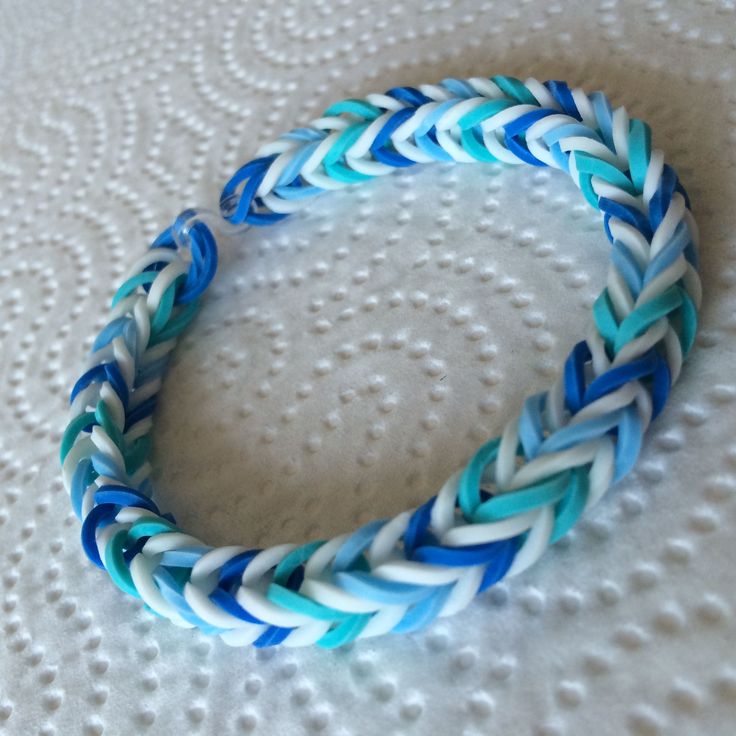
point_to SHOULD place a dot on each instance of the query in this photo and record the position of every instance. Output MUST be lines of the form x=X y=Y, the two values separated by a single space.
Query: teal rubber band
x=640 y=152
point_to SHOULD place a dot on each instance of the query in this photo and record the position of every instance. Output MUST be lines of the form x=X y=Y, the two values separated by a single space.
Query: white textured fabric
x=348 y=360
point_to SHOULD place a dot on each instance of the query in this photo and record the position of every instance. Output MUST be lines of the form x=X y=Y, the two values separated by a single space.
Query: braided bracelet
x=519 y=492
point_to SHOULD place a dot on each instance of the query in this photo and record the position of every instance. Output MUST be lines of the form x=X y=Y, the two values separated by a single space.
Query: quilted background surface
x=348 y=360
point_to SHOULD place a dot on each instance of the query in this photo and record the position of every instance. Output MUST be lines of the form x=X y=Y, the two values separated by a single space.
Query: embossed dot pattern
x=351 y=358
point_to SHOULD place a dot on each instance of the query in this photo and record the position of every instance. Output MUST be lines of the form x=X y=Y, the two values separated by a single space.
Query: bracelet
x=518 y=493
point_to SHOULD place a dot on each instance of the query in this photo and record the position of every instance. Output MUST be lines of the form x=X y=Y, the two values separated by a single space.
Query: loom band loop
x=640 y=152
x=290 y=177
x=151 y=527
x=433 y=119
x=107 y=461
x=384 y=592
x=625 y=213
x=472 y=142
x=99 y=517
x=562 y=94
x=561 y=158
x=170 y=586
x=660 y=200
x=272 y=636
x=661 y=387
x=421 y=614
x=83 y=477
x=470 y=555
x=360 y=109
x=203 y=605
x=152 y=370
x=345 y=631
x=105 y=420
x=458 y=87
x=588 y=166
x=141 y=571
x=229 y=576
x=334 y=161
x=120 y=327
x=650 y=365
x=293 y=562
x=252 y=174
x=176 y=325
x=380 y=147
x=188 y=235
x=124 y=496
x=117 y=564
x=417 y=530
x=515 y=89
x=81 y=423
x=409 y=95
x=427 y=143
x=308 y=135
x=161 y=314
x=297 y=190
x=180 y=229
x=588 y=144
x=605 y=320
x=228 y=603
x=681 y=189
x=203 y=267
x=103 y=515
x=132 y=552
x=144 y=279
x=688 y=319
x=482 y=112
x=497 y=568
x=518 y=127
x=642 y=317
x=108 y=372
x=165 y=239
x=572 y=504
x=283 y=170
x=293 y=601
x=531 y=429
x=628 y=268
x=133 y=454
x=136 y=455
x=604 y=117
x=676 y=247
x=574 y=379
x=177 y=562
x=231 y=573
x=185 y=557
x=350 y=552
x=206 y=570
x=470 y=480
x=255 y=602
x=142 y=411
x=542 y=140
x=629 y=434
x=152 y=266
x=235 y=202
x=573 y=148
x=534 y=496
x=580 y=432
x=442 y=117
x=519 y=149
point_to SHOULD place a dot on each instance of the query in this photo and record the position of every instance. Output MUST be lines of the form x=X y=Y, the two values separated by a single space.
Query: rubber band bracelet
x=518 y=493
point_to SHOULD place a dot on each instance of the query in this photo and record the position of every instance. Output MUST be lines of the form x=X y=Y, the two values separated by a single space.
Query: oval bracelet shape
x=519 y=493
